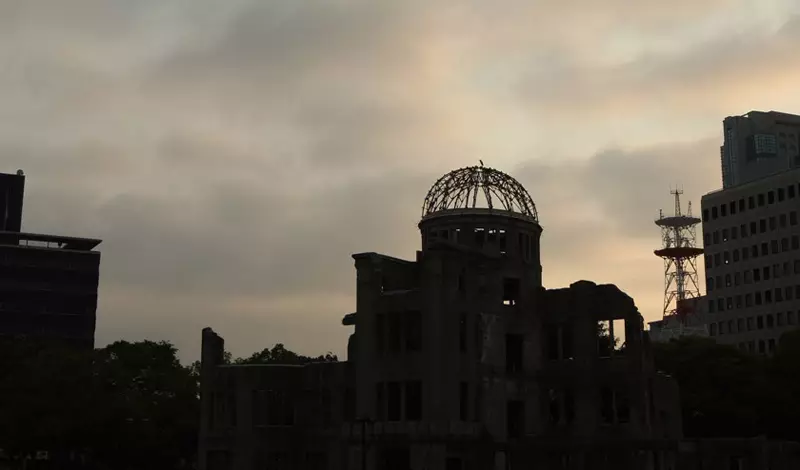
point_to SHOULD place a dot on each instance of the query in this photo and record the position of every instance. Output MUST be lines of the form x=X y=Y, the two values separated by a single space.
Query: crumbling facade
x=459 y=360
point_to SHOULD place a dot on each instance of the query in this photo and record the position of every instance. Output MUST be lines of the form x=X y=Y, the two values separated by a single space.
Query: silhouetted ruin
x=461 y=360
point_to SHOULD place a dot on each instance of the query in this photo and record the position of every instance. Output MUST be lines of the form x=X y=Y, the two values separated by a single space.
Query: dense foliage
x=125 y=406
x=726 y=392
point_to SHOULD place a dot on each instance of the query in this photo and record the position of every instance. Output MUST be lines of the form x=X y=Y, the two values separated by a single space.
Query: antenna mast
x=679 y=251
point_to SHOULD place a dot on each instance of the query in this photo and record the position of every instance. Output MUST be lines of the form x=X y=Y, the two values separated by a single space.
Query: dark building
x=48 y=283
x=460 y=360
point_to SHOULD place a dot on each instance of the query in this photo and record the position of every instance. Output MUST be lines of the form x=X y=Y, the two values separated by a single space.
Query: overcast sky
x=233 y=154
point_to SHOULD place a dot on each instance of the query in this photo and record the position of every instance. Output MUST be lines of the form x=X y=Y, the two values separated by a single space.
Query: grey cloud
x=721 y=64
x=624 y=187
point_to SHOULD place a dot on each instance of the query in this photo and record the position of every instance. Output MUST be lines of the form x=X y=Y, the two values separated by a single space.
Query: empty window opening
x=454 y=463
x=480 y=237
x=393 y=394
x=413 y=327
x=502 y=241
x=515 y=419
x=380 y=401
x=514 y=353
x=462 y=332
x=552 y=343
x=510 y=291
x=554 y=407
x=414 y=401
x=380 y=333
x=395 y=332
x=618 y=335
x=615 y=406
x=463 y=401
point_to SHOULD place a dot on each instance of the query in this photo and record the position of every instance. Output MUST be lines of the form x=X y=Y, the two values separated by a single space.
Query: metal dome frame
x=459 y=189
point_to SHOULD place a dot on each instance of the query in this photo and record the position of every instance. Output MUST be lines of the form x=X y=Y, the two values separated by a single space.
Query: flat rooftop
x=38 y=240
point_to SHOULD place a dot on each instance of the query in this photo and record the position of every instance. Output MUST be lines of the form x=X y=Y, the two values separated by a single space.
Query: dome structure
x=479 y=187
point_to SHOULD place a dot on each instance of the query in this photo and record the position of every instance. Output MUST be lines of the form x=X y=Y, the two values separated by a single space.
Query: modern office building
x=48 y=283
x=751 y=235
x=759 y=144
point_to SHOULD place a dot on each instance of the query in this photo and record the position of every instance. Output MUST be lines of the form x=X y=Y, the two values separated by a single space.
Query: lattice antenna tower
x=679 y=251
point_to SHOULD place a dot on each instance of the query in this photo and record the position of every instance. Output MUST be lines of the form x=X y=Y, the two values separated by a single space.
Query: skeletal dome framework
x=479 y=187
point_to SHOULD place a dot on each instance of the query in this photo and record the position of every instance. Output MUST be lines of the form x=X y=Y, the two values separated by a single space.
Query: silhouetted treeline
x=726 y=392
x=122 y=407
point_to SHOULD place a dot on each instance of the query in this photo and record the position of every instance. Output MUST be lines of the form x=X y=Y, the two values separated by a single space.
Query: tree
x=280 y=355
x=148 y=408
x=723 y=390
x=125 y=406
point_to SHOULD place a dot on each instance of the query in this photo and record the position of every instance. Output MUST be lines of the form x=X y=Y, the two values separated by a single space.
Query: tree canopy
x=129 y=405
x=726 y=392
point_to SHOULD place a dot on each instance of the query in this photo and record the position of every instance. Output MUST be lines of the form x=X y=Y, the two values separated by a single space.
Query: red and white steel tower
x=679 y=251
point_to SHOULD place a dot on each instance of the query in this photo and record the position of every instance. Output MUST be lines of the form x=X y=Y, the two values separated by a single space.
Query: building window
x=762 y=225
x=761 y=200
x=770 y=322
x=748 y=300
x=733 y=207
x=735 y=255
x=756 y=274
x=790 y=318
x=515 y=419
x=394 y=405
x=712 y=329
x=751 y=202
x=463 y=409
x=705 y=215
x=795 y=242
x=781 y=194
x=782 y=221
x=514 y=352
x=764 y=249
x=758 y=298
x=773 y=225
x=793 y=218
x=734 y=232
x=462 y=332
x=768 y=296
x=727 y=280
x=771 y=197
x=715 y=237
x=790 y=191
x=414 y=401
x=510 y=291
x=380 y=333
x=750 y=324
x=413 y=330
x=779 y=318
x=739 y=325
x=739 y=301
x=724 y=235
x=775 y=246
x=741 y=205
x=784 y=244
x=743 y=229
x=726 y=257
x=714 y=213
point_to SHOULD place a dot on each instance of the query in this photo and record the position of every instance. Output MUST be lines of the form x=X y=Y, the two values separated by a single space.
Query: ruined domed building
x=459 y=360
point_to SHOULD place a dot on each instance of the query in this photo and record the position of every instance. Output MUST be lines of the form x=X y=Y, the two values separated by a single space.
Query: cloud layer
x=234 y=154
